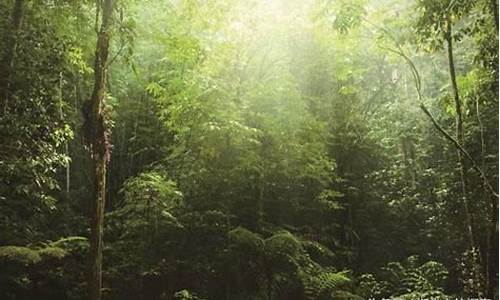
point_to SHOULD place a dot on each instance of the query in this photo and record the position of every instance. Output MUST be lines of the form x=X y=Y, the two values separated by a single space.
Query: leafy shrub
x=319 y=253
x=186 y=295
x=324 y=284
x=406 y=280
x=245 y=239
x=283 y=243
x=41 y=269
x=19 y=255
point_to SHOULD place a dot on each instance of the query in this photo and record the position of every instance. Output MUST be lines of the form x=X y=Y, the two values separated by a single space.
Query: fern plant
x=282 y=267
x=323 y=284
x=406 y=280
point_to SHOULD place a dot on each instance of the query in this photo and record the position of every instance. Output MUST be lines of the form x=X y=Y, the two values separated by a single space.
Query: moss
x=27 y=256
x=22 y=255
x=52 y=253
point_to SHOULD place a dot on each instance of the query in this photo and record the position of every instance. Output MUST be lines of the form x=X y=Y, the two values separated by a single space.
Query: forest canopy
x=248 y=149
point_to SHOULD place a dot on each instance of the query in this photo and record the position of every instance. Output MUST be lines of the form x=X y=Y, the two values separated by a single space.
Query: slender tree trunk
x=492 y=251
x=459 y=134
x=96 y=135
x=66 y=149
x=491 y=256
x=6 y=62
x=493 y=194
x=486 y=195
x=260 y=198
x=476 y=259
x=494 y=10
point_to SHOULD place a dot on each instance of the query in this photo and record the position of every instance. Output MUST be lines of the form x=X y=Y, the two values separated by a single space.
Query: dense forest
x=248 y=149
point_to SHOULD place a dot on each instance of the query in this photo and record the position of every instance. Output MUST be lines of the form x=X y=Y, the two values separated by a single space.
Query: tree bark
x=459 y=133
x=416 y=76
x=480 y=173
x=493 y=194
x=96 y=136
x=491 y=252
x=8 y=57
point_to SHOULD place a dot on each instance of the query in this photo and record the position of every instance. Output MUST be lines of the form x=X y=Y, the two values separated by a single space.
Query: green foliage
x=324 y=285
x=348 y=15
x=246 y=239
x=152 y=185
x=368 y=286
x=185 y=295
x=48 y=251
x=261 y=149
x=21 y=255
x=36 y=270
x=283 y=243
x=149 y=194
x=52 y=253
x=33 y=119
x=284 y=265
x=69 y=242
x=431 y=26
x=319 y=253
x=407 y=280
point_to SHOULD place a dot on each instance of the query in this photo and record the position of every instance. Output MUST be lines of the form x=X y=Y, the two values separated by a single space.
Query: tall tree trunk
x=8 y=57
x=96 y=135
x=491 y=252
x=66 y=147
x=493 y=193
x=494 y=10
x=459 y=135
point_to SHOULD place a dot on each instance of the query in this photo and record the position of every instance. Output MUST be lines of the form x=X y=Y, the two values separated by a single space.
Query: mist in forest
x=248 y=150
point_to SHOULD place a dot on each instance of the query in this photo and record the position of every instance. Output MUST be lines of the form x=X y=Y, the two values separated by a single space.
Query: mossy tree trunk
x=96 y=135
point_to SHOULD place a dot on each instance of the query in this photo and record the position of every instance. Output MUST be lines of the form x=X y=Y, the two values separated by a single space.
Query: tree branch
x=457 y=145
